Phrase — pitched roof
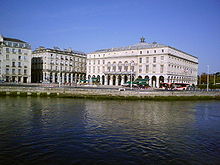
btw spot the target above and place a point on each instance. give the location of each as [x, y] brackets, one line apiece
[13, 39]
[141, 45]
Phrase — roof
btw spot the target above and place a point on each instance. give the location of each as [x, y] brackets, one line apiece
[141, 45]
[69, 52]
[13, 39]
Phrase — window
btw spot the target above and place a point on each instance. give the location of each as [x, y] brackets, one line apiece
[103, 61]
[140, 60]
[7, 71]
[7, 50]
[154, 68]
[155, 51]
[147, 52]
[162, 50]
[19, 64]
[147, 59]
[13, 71]
[9, 43]
[15, 44]
[140, 52]
[162, 57]
[19, 51]
[154, 60]
[98, 62]
[7, 57]
[140, 68]
[126, 66]
[19, 71]
[114, 67]
[19, 57]
[13, 64]
[120, 66]
[147, 68]
[161, 68]
[25, 71]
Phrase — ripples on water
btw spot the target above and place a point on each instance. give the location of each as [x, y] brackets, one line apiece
[73, 131]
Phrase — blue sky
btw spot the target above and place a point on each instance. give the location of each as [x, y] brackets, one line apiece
[87, 25]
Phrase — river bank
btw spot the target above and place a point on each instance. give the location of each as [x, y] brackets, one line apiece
[108, 93]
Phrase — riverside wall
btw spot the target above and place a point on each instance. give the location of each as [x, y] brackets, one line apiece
[107, 93]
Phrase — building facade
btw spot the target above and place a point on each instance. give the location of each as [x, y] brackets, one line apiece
[15, 60]
[58, 66]
[156, 62]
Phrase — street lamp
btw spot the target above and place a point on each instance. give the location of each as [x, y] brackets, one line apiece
[208, 78]
[131, 80]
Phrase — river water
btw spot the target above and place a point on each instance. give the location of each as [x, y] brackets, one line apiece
[54, 131]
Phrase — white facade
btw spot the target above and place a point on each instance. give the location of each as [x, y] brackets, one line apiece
[15, 60]
[58, 66]
[153, 61]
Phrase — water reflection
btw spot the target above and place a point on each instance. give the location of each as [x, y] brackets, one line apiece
[75, 131]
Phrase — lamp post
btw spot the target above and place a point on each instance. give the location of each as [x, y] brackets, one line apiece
[208, 78]
[214, 79]
[131, 75]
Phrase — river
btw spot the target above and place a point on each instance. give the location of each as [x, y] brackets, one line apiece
[54, 131]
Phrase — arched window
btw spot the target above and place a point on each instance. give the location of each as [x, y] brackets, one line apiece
[132, 66]
[109, 66]
[120, 66]
[126, 66]
[114, 66]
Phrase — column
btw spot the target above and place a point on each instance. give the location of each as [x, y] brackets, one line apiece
[106, 79]
[63, 77]
[76, 76]
[53, 77]
[71, 78]
[58, 77]
[157, 82]
[44, 76]
[116, 80]
[111, 80]
[67, 77]
[150, 81]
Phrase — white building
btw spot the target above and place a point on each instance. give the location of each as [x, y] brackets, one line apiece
[15, 60]
[153, 61]
[58, 66]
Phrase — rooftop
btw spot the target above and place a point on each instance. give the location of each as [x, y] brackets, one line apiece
[141, 45]
[12, 39]
[58, 50]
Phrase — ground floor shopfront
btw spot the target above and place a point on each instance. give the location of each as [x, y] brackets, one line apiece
[152, 80]
[57, 77]
[15, 78]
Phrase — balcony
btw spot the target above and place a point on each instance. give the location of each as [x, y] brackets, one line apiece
[120, 73]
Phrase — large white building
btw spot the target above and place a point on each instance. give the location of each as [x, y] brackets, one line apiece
[15, 60]
[156, 62]
[58, 66]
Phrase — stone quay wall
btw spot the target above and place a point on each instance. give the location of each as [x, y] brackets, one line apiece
[108, 93]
